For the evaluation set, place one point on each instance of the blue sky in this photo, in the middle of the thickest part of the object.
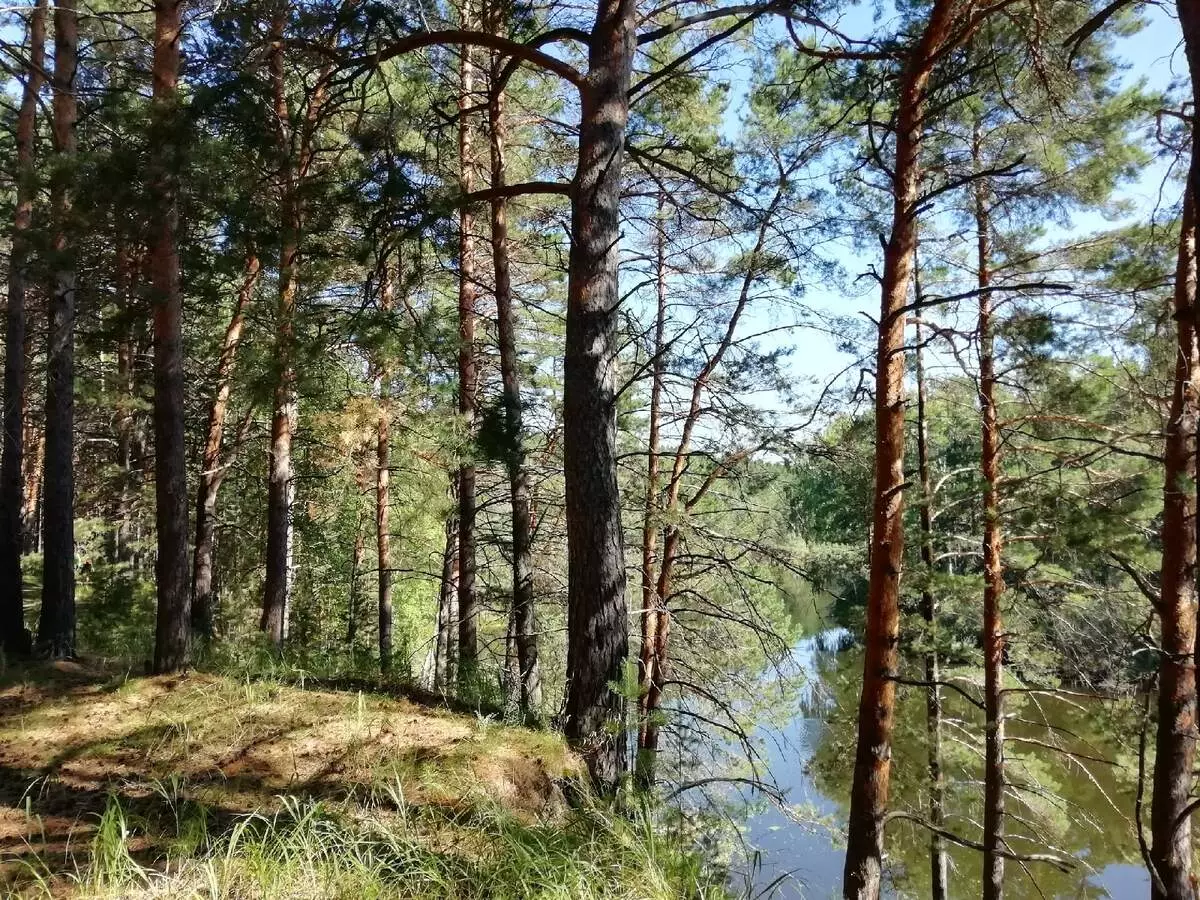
(1153, 55)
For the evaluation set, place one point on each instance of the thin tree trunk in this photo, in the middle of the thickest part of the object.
(876, 711)
(31, 493)
(1175, 746)
(356, 565)
(523, 613)
(597, 612)
(14, 638)
(212, 471)
(938, 865)
(382, 499)
(56, 624)
(283, 418)
(173, 632)
(993, 566)
(651, 613)
(126, 417)
(661, 629)
(446, 663)
(468, 616)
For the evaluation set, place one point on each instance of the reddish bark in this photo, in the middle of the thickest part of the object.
(876, 711)
(14, 638)
(212, 468)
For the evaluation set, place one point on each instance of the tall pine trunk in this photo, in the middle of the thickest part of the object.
(172, 637)
(524, 622)
(382, 474)
(876, 711)
(56, 624)
(468, 388)
(597, 614)
(283, 416)
(212, 469)
(1175, 745)
(14, 638)
(938, 863)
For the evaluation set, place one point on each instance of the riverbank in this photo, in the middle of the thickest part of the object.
(206, 786)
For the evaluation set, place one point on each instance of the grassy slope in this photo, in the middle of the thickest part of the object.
(205, 786)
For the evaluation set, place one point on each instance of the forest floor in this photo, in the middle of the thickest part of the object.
(74, 740)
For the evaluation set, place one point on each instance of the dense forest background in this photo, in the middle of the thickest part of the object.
(574, 367)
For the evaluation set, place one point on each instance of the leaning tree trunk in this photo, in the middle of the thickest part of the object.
(172, 637)
(876, 711)
(650, 519)
(383, 536)
(14, 639)
(56, 625)
(212, 471)
(1175, 748)
(524, 624)
(468, 388)
(938, 863)
(283, 417)
(597, 615)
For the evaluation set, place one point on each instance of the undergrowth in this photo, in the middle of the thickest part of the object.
(316, 849)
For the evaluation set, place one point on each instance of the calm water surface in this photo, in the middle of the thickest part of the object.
(1082, 809)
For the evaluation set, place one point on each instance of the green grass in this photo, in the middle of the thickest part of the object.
(213, 787)
(319, 850)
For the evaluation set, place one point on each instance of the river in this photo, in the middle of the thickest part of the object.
(1072, 805)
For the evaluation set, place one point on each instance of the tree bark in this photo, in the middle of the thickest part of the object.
(651, 613)
(993, 566)
(876, 711)
(446, 661)
(172, 640)
(382, 473)
(524, 621)
(212, 469)
(31, 493)
(14, 638)
(283, 417)
(56, 624)
(468, 388)
(1175, 745)
(597, 614)
(938, 863)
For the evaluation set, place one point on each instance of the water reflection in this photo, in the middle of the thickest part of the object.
(1075, 801)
